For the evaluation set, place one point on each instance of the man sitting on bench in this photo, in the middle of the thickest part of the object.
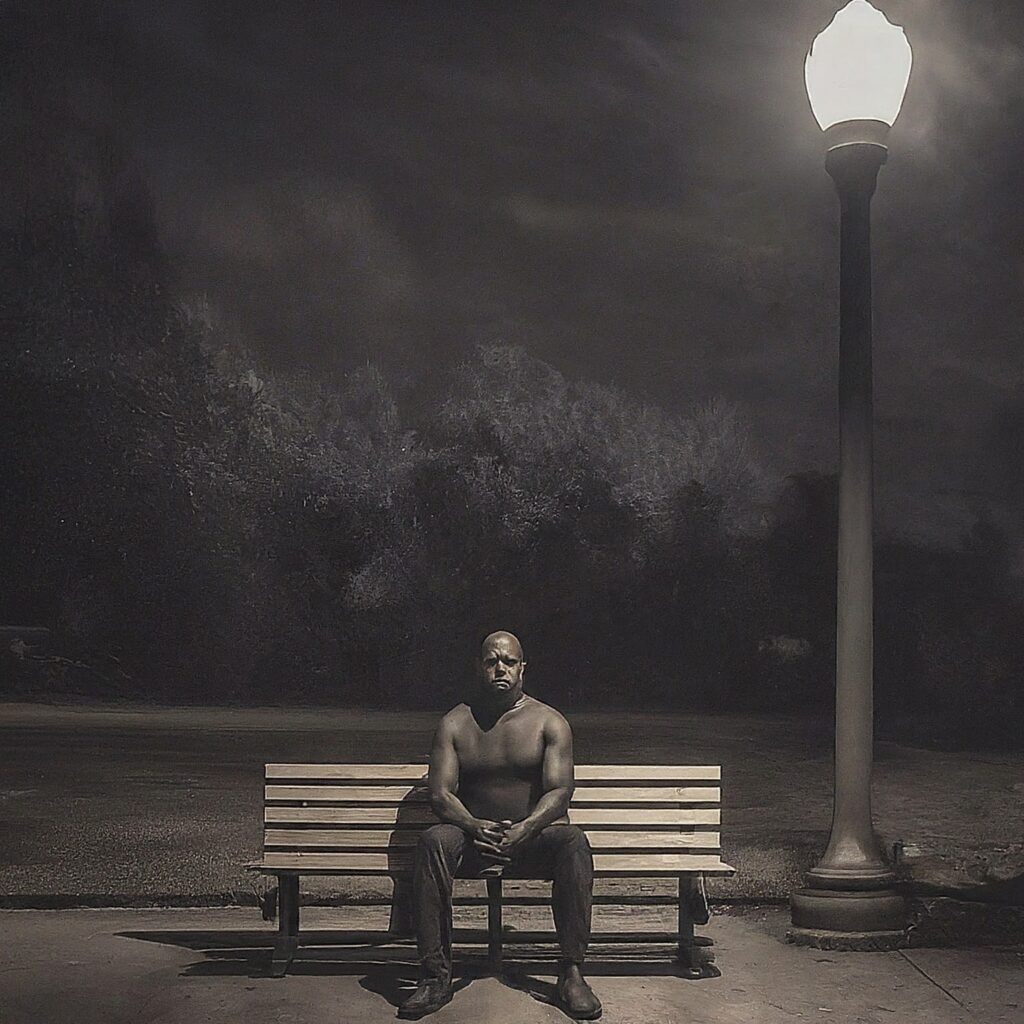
(501, 777)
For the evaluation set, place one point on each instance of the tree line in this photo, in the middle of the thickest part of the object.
(195, 528)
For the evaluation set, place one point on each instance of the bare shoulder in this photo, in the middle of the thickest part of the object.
(453, 721)
(554, 722)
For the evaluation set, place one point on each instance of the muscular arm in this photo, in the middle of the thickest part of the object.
(556, 775)
(443, 778)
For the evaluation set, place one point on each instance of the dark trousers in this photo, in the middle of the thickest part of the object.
(560, 853)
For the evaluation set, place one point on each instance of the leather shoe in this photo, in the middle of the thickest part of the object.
(576, 996)
(430, 995)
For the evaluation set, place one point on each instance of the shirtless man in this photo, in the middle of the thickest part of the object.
(501, 777)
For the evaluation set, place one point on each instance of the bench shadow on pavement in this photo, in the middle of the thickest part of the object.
(389, 966)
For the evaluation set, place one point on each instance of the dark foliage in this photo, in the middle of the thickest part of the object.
(192, 530)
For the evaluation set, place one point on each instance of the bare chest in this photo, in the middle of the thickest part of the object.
(513, 747)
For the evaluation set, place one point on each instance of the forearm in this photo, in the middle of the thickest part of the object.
(553, 805)
(451, 810)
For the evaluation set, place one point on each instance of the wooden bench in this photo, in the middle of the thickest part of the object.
(643, 821)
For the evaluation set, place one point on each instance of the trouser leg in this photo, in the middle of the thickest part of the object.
(439, 853)
(562, 853)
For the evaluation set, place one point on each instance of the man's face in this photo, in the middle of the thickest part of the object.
(501, 667)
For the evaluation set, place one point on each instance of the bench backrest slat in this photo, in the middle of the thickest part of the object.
(401, 862)
(585, 773)
(343, 840)
(420, 814)
(350, 772)
(403, 793)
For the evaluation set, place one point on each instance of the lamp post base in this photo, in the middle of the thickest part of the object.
(833, 919)
(847, 942)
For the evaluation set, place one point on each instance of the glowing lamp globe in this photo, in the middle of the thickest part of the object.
(858, 68)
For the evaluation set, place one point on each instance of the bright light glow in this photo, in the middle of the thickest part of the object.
(858, 67)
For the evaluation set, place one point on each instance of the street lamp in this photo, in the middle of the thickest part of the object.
(856, 74)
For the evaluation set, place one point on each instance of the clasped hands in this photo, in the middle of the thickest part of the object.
(499, 840)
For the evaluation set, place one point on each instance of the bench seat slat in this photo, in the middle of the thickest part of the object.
(585, 773)
(421, 814)
(582, 795)
(722, 870)
(382, 839)
(401, 863)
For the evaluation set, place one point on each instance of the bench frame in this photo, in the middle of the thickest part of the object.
(692, 952)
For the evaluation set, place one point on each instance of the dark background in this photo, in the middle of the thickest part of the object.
(338, 334)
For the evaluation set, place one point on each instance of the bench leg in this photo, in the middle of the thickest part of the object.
(684, 937)
(494, 923)
(693, 954)
(288, 925)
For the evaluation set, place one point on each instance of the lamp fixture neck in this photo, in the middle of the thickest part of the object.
(854, 168)
(859, 130)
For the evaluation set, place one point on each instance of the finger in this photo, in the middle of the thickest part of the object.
(493, 853)
(495, 858)
(485, 847)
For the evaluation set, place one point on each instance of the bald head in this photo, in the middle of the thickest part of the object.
(501, 667)
(502, 638)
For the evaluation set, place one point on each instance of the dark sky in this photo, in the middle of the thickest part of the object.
(634, 191)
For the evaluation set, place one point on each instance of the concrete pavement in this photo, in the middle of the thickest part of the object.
(197, 965)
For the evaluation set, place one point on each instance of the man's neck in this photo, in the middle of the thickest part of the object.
(494, 707)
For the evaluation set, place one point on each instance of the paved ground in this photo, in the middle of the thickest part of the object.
(165, 804)
(190, 966)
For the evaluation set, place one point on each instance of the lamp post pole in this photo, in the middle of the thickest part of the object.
(854, 857)
(851, 901)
